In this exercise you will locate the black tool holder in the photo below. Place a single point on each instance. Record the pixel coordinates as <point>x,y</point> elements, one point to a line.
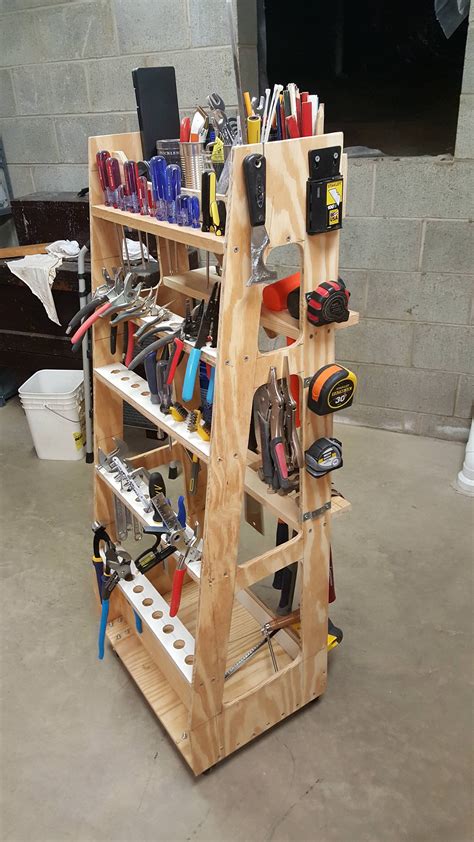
<point>324,191</point>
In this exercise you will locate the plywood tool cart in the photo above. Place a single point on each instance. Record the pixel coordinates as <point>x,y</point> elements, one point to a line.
<point>179,663</point>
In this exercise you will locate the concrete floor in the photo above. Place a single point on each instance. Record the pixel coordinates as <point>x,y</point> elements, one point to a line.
<point>384,755</point>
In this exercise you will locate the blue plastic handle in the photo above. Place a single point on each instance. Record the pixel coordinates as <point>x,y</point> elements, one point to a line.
<point>150,371</point>
<point>104,615</point>
<point>181,511</point>
<point>158,177</point>
<point>210,388</point>
<point>190,376</point>
<point>194,216</point>
<point>138,623</point>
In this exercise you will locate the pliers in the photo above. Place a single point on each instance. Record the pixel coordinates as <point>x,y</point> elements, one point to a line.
<point>114,302</point>
<point>207,328</point>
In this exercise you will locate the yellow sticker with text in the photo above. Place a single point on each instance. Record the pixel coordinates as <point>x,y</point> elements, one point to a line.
<point>334,193</point>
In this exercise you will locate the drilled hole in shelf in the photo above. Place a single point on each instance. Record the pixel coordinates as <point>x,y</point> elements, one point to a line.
<point>179,644</point>
<point>135,385</point>
<point>147,601</point>
<point>116,371</point>
<point>189,659</point>
<point>168,628</point>
<point>157,615</point>
<point>145,394</point>
<point>138,589</point>
<point>125,378</point>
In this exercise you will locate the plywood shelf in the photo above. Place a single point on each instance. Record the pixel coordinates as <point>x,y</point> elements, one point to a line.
<point>134,389</point>
<point>194,285</point>
<point>166,230</point>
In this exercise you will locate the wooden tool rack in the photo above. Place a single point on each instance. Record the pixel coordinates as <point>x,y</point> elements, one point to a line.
<point>179,663</point>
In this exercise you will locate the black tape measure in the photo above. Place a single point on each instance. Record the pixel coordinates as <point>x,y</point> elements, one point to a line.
<point>331,388</point>
<point>326,304</point>
<point>323,456</point>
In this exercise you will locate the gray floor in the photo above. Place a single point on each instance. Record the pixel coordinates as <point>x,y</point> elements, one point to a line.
<point>384,755</point>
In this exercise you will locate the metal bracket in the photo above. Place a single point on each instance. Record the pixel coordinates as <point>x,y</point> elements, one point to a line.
<point>317,512</point>
<point>307,381</point>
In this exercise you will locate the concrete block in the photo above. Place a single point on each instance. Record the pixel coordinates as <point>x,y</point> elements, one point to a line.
<point>290,256</point>
<point>20,44</point>
<point>73,132</point>
<point>76,30</point>
<point>68,177</point>
<point>398,421</point>
<point>21,179</point>
<point>19,5</point>
<point>144,26</point>
<point>356,282</point>
<point>209,24</point>
<point>246,22</point>
<point>54,88</point>
<point>468,72</point>
<point>393,387</point>
<point>465,129</point>
<point>249,68</point>
<point>444,347</point>
<point>376,341</point>
<point>110,83</point>
<point>464,397</point>
<point>423,187</point>
<point>29,140</point>
<point>420,297</point>
<point>196,74</point>
<point>7,98</point>
<point>380,244</point>
<point>448,247</point>
<point>445,427</point>
<point>360,178</point>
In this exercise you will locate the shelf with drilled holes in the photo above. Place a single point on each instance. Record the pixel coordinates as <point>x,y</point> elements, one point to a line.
<point>134,389</point>
<point>177,233</point>
<point>129,500</point>
<point>194,284</point>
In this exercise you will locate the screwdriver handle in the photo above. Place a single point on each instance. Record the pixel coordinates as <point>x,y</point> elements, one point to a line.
<point>178,577</point>
<point>191,372</point>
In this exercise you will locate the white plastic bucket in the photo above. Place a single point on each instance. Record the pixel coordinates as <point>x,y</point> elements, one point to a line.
<point>53,401</point>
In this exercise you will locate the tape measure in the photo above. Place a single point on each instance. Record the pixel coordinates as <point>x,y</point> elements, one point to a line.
<point>324,455</point>
<point>331,388</point>
<point>325,305</point>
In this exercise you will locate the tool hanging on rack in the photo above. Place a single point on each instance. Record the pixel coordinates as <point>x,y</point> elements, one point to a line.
<point>331,388</point>
<point>271,628</point>
<point>255,184</point>
<point>208,329</point>
<point>277,436</point>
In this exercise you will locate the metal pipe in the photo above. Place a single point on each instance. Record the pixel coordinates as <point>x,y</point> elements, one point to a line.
<point>86,363</point>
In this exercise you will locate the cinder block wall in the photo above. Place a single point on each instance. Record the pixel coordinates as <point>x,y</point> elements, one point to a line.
<point>407,246</point>
<point>67,73</point>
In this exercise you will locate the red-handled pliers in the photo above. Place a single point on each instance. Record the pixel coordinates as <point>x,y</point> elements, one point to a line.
<point>123,299</point>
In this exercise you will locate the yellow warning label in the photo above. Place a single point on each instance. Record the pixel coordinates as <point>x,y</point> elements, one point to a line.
<point>79,441</point>
<point>333,216</point>
<point>334,193</point>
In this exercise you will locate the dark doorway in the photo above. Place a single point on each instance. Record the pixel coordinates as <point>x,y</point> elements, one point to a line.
<point>387,74</point>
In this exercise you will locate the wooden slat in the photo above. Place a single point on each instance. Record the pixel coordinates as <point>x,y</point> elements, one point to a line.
<point>166,230</point>
<point>22,251</point>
